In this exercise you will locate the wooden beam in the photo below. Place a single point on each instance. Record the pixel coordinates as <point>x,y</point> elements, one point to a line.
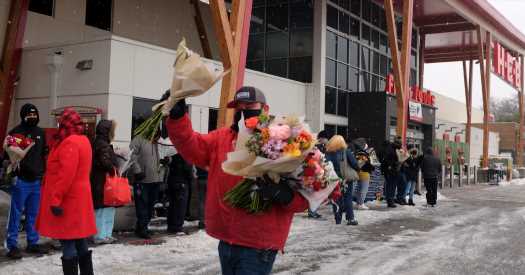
<point>223,31</point>
<point>244,42</point>
<point>457,27</point>
<point>520,148</point>
<point>430,60</point>
<point>421,64</point>
<point>484,88</point>
<point>11,56</point>
<point>201,29</point>
<point>408,9</point>
<point>467,79</point>
<point>439,19</point>
<point>488,70</point>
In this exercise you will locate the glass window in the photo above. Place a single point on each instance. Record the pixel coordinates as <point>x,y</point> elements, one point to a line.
<point>344,22</point>
<point>413,60</point>
<point>257,65</point>
<point>330,72</point>
<point>375,39</point>
<point>342,103</point>
<point>342,76</point>
<point>375,84</point>
<point>330,129</point>
<point>256,46</point>
<point>258,3</point>
<point>375,62</point>
<point>331,17</point>
<point>383,43</point>
<point>413,78</point>
<point>331,45</point>
<point>353,80</point>
<point>330,101</point>
<point>45,7</point>
<point>277,18</point>
<point>141,110</point>
<point>277,44</point>
<point>383,65</point>
<point>99,13</point>
<point>301,43</point>
<point>345,4</point>
<point>355,28</point>
<point>257,21</point>
<point>365,82</point>
<point>278,67</point>
<point>213,116</point>
<point>374,14</point>
<point>414,38</point>
<point>382,84</point>
<point>353,48</point>
<point>342,49</point>
<point>366,10</point>
<point>366,34</point>
<point>301,14</point>
<point>382,20</point>
<point>355,7</point>
<point>365,58</point>
<point>301,69</point>
<point>342,131</point>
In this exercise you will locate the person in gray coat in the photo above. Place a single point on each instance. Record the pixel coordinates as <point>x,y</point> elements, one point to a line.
<point>148,176</point>
<point>431,169</point>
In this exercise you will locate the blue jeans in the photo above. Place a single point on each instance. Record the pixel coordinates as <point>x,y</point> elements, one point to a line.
<point>344,204</point>
<point>73,248</point>
<point>145,195</point>
<point>411,186</point>
<point>105,218</point>
<point>24,196</point>
<point>240,260</point>
<point>363,190</point>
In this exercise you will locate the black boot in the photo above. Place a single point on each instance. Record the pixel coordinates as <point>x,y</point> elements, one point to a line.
<point>85,264</point>
<point>70,266</point>
<point>411,202</point>
<point>391,204</point>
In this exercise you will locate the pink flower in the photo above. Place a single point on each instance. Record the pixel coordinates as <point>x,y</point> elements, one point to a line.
<point>280,132</point>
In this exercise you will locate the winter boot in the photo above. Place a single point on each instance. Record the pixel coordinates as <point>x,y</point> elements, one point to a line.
<point>352,222</point>
<point>391,204</point>
<point>14,254</point>
<point>411,202</point>
<point>85,264</point>
<point>70,266</point>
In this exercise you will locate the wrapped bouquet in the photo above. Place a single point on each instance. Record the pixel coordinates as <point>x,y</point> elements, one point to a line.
<point>16,147</point>
<point>191,78</point>
<point>277,147</point>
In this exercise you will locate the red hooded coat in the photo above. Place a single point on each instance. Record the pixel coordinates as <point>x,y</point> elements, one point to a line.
<point>268,230</point>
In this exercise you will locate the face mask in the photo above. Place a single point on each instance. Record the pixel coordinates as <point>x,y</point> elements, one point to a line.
<point>250,113</point>
<point>31,121</point>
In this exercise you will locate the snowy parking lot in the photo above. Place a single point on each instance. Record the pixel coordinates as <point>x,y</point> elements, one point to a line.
<point>474,230</point>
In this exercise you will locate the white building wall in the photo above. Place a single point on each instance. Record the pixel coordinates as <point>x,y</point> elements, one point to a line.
<point>453,110</point>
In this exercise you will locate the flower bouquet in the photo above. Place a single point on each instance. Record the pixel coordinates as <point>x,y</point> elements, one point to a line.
<point>16,147</point>
<point>191,78</point>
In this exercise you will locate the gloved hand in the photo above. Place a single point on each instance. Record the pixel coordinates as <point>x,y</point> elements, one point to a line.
<point>165,161</point>
<point>140,176</point>
<point>179,109</point>
<point>57,211</point>
<point>280,193</point>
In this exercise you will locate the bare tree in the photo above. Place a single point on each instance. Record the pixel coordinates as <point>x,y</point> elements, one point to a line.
<point>505,110</point>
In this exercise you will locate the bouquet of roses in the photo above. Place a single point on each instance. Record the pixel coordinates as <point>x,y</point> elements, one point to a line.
<point>316,179</point>
<point>191,78</point>
<point>16,147</point>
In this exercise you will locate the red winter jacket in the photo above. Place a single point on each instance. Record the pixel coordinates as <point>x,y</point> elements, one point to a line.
<point>232,225</point>
<point>66,184</point>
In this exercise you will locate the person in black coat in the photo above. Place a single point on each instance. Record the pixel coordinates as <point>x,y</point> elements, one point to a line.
<point>25,194</point>
<point>390,167</point>
<point>104,163</point>
<point>179,181</point>
<point>410,168</point>
<point>431,168</point>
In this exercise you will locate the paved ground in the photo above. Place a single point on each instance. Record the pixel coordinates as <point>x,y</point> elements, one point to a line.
<point>474,230</point>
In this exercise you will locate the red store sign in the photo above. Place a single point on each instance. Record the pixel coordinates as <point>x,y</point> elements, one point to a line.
<point>416,94</point>
<point>506,66</point>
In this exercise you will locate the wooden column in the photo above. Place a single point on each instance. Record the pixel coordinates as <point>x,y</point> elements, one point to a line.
<point>203,36</point>
<point>522,113</point>
<point>401,62</point>
<point>467,79</point>
<point>484,66</point>
<point>10,58</point>
<point>421,60</point>
<point>230,35</point>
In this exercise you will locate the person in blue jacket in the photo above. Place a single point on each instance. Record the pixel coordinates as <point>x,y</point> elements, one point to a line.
<point>336,151</point>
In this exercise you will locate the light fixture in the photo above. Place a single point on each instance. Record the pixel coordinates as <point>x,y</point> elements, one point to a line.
<point>85,65</point>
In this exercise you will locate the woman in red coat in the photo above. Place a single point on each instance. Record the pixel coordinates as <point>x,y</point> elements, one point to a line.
<point>66,207</point>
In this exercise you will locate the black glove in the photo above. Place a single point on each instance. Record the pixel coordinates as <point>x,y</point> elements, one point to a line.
<point>179,109</point>
<point>140,176</point>
<point>280,193</point>
<point>165,161</point>
<point>57,211</point>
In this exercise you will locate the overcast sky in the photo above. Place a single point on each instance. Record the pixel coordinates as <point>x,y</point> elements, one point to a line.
<point>447,78</point>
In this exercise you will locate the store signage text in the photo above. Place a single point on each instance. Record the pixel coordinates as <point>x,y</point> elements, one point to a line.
<point>416,94</point>
<point>506,66</point>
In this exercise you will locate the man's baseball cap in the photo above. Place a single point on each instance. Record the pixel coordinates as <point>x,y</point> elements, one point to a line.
<point>247,94</point>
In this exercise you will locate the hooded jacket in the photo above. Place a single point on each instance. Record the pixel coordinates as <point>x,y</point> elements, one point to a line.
<point>430,165</point>
<point>32,165</point>
<point>104,161</point>
<point>268,230</point>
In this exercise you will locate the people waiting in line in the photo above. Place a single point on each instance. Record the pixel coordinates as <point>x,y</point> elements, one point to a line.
<point>431,169</point>
<point>25,193</point>
<point>410,169</point>
<point>342,157</point>
<point>104,164</point>
<point>66,206</point>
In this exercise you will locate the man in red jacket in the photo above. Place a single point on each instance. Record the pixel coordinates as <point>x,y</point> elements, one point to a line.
<point>248,242</point>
